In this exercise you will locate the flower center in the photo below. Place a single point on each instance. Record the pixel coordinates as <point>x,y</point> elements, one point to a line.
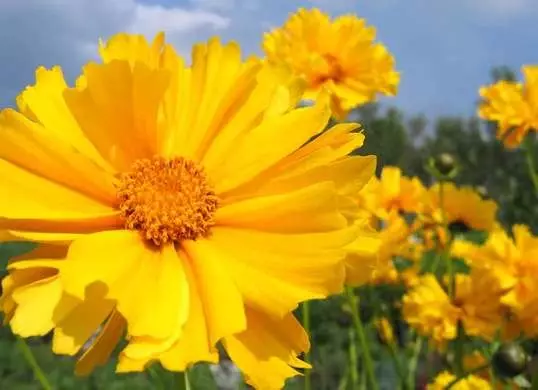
<point>167,200</point>
<point>331,71</point>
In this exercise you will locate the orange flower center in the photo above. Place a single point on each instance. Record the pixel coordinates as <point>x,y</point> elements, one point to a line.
<point>167,200</point>
<point>332,71</point>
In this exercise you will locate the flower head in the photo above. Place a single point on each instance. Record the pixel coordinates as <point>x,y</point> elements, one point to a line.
<point>508,266</point>
<point>471,382</point>
<point>176,207</point>
<point>337,55</point>
<point>514,106</point>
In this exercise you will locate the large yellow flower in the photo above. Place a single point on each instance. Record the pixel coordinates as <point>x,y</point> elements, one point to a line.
<point>177,206</point>
<point>338,55</point>
<point>514,106</point>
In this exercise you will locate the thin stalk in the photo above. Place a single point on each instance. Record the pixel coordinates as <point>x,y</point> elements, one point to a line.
<point>466,374</point>
<point>32,362</point>
<point>306,324</point>
<point>412,373</point>
<point>156,378</point>
<point>397,363</point>
<point>353,360</point>
<point>363,341</point>
<point>531,165</point>
<point>182,380</point>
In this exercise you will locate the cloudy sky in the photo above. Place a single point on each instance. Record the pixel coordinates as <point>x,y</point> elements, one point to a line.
<point>443,48</point>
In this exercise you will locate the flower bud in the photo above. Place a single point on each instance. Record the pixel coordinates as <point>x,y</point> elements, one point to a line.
<point>510,360</point>
<point>445,164</point>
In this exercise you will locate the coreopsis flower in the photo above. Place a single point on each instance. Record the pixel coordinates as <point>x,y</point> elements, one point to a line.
<point>393,192</point>
<point>510,266</point>
<point>513,106</point>
<point>176,207</point>
<point>460,205</point>
<point>471,382</point>
<point>340,56</point>
<point>428,308</point>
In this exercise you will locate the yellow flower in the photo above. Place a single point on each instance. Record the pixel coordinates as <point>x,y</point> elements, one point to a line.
<point>370,257</point>
<point>427,308</point>
<point>477,298</point>
<point>338,55</point>
<point>471,382</point>
<point>461,205</point>
<point>384,330</point>
<point>510,268</point>
<point>177,206</point>
<point>514,106</point>
<point>393,192</point>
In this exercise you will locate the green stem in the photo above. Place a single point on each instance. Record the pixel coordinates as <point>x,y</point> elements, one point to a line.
<point>156,378</point>
<point>531,166</point>
<point>412,373</point>
<point>353,361</point>
<point>466,374</point>
<point>29,356</point>
<point>306,325</point>
<point>363,341</point>
<point>397,363</point>
<point>182,380</point>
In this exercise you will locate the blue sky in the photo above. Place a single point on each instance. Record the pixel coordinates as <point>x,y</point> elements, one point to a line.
<point>443,48</point>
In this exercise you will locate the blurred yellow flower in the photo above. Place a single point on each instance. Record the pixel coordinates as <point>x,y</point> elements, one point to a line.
<point>384,329</point>
<point>340,56</point>
<point>462,205</point>
<point>510,268</point>
<point>514,106</point>
<point>472,382</point>
<point>177,206</point>
<point>427,308</point>
<point>393,192</point>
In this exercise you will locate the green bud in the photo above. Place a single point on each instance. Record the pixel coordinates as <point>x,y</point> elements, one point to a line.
<point>510,360</point>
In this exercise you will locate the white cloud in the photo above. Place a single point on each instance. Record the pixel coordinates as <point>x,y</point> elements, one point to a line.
<point>150,19</point>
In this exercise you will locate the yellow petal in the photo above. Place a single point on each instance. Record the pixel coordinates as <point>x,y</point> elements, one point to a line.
<point>40,305</point>
<point>268,349</point>
<point>267,144</point>
<point>175,354</point>
<point>149,285</point>
<point>98,353</point>
<point>44,103</point>
<point>35,150</point>
<point>307,210</point>
<point>132,48</point>
<point>222,301</point>
<point>117,109</point>
<point>290,268</point>
<point>76,328</point>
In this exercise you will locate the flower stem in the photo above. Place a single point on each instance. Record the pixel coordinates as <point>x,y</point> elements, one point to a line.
<point>412,373</point>
<point>29,356</point>
<point>531,166</point>
<point>306,324</point>
<point>182,380</point>
<point>363,341</point>
<point>353,360</point>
